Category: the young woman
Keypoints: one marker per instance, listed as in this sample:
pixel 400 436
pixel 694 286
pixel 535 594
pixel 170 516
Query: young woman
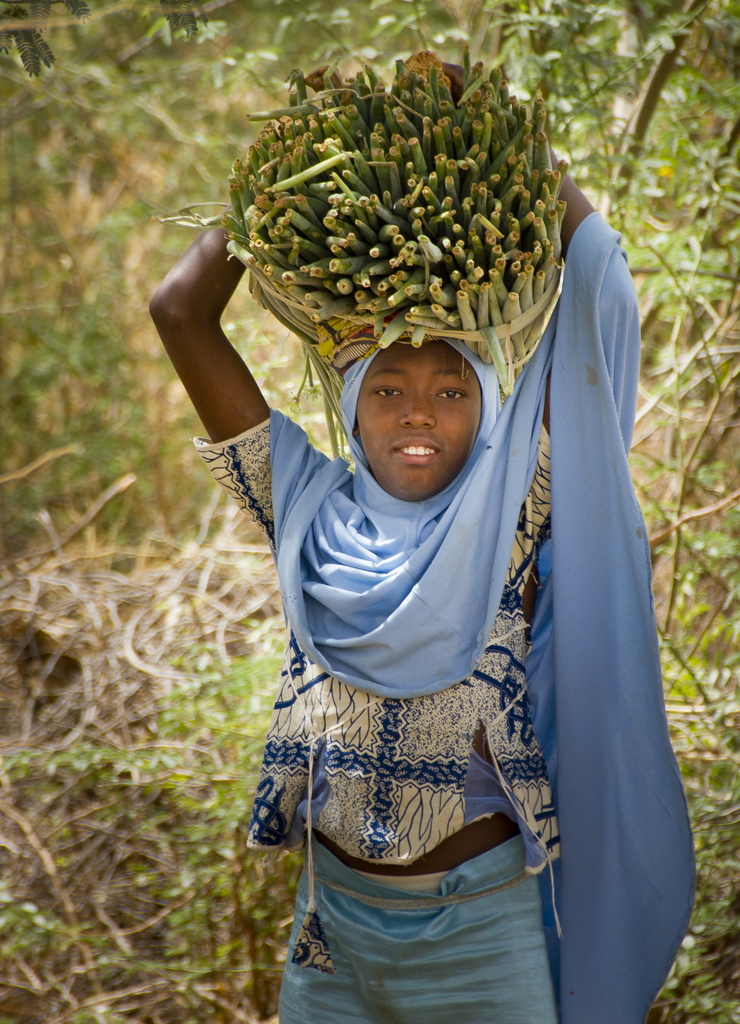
pixel 469 734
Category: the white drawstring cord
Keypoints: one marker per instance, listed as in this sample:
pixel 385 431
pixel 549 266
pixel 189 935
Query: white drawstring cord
pixel 515 803
pixel 309 824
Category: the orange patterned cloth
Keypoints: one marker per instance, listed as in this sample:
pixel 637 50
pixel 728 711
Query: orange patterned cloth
pixel 341 343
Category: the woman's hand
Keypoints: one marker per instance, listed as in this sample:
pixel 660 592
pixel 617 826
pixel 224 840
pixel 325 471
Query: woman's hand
pixel 457 83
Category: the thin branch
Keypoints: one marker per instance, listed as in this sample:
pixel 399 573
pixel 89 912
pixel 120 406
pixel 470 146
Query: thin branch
pixel 688 270
pixel 675 651
pixel 136 48
pixel 51 870
pixel 19 24
pixel 95 509
pixel 733 137
pixel 698 513
pixel 160 916
pixel 44 856
pixel 19 474
pixel 105 999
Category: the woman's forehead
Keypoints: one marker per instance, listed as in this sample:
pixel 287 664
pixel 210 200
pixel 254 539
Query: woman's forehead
pixel 434 356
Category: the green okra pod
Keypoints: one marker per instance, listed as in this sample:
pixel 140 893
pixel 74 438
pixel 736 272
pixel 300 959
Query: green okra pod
pixel 452 318
pixel 542 161
pixel 511 309
pixel 440 142
pixel 483 313
pixel 395 179
pixel 553 232
pixel 418 335
pixel 538 288
pixel 496 277
pixel 467 318
pixel 557 182
pixel 366 230
pixel 445 295
pixel 526 299
pixel 303 224
pixel 275 115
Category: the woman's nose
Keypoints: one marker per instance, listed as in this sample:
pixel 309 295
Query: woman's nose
pixel 419 412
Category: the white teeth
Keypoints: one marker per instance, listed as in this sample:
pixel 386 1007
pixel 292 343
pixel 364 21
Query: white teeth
pixel 417 450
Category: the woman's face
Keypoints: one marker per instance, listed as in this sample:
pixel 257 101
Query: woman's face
pixel 417 416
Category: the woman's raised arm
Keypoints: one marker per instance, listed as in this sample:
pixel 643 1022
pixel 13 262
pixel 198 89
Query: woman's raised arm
pixel 186 310
pixel 577 210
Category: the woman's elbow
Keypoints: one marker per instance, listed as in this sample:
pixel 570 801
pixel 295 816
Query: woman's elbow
pixel 166 309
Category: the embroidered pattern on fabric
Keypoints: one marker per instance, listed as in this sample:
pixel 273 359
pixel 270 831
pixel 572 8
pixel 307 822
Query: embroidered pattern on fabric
pixel 312 948
pixel 397 768
pixel 243 470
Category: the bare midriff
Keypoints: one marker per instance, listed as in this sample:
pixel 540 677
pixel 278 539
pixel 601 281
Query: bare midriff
pixel 470 841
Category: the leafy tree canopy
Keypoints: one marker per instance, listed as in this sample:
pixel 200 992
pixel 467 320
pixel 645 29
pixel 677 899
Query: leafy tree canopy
pixel 22 25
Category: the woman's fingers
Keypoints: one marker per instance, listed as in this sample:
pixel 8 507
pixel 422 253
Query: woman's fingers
pixel 455 74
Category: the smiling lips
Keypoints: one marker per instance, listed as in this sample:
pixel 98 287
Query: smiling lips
pixel 416 450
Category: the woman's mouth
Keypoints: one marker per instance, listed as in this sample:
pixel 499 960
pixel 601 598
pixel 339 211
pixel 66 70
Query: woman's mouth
pixel 417 454
pixel 415 449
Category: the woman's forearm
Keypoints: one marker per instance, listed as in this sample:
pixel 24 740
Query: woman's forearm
pixel 577 210
pixel 186 310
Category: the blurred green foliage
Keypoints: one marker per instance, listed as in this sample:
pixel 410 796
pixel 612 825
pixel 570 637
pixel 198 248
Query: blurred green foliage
pixel 156 883
pixel 23 24
pixel 135 120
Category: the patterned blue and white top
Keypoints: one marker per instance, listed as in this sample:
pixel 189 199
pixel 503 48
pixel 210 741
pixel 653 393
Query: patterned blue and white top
pixel 389 778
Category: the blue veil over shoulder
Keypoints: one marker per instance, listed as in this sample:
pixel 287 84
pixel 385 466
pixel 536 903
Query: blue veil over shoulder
pixel 593 673
pixel 594 678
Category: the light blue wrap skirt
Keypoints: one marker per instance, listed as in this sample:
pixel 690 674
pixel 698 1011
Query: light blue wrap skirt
pixel 474 952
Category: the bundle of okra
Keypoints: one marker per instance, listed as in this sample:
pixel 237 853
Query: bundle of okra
pixel 362 202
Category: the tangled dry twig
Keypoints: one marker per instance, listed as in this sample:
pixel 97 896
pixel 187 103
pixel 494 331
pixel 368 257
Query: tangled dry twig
pixel 88 650
pixel 93 859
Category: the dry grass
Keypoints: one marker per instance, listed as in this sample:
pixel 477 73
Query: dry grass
pixel 87 651
pixel 92 858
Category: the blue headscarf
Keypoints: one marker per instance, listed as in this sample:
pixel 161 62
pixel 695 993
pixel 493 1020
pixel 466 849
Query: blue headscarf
pixel 361 571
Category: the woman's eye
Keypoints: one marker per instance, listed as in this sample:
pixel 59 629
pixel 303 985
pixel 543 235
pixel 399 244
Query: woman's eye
pixel 387 392
pixel 452 393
